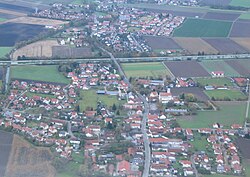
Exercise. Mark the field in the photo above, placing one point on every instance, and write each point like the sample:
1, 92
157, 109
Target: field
219, 65
214, 81
196, 91
2, 19
229, 113
225, 45
195, 45
203, 28
241, 66
10, 33
186, 69
17, 8
26, 160
240, 29
212, 2
11, 13
70, 52
226, 94
241, 3
47, 73
36, 50
164, 43
154, 69
245, 16
4, 51
221, 16
5, 147
244, 42
200, 142
90, 99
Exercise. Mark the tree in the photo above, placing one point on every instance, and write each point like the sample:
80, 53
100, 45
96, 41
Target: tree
114, 107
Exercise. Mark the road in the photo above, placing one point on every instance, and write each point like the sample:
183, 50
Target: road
7, 78
145, 117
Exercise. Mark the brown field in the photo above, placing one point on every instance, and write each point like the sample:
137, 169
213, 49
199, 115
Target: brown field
195, 45
244, 145
36, 21
239, 67
12, 12
245, 42
36, 50
28, 161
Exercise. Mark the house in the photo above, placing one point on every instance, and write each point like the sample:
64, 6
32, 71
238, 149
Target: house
165, 97
189, 134
217, 74
123, 168
186, 163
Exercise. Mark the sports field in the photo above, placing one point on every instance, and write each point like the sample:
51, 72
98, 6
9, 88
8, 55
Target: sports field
47, 73
203, 28
229, 113
214, 81
150, 69
226, 94
4, 51
241, 3
219, 65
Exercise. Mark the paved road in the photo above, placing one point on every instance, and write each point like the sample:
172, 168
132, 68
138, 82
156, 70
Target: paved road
144, 121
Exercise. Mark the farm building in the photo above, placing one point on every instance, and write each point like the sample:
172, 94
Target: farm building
217, 74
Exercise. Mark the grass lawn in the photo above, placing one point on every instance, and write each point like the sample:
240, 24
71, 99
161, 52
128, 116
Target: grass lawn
241, 3
215, 81
221, 94
229, 113
48, 73
200, 142
219, 65
90, 99
203, 28
245, 16
154, 69
4, 51
30, 94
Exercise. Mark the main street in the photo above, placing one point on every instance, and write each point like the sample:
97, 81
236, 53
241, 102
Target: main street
147, 150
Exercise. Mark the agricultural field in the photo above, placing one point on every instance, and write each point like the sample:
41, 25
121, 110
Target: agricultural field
245, 16
27, 160
226, 94
241, 3
48, 73
203, 28
229, 113
215, 81
93, 98
241, 66
186, 69
221, 16
240, 29
5, 148
159, 42
225, 45
36, 50
2, 19
70, 52
4, 51
244, 42
195, 45
196, 91
219, 65
143, 70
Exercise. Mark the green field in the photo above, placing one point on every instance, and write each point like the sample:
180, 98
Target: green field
4, 51
229, 113
215, 81
89, 99
219, 65
241, 3
226, 94
47, 73
2, 19
154, 69
203, 28
199, 143
245, 16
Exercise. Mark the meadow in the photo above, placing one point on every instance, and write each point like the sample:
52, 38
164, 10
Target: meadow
150, 69
240, 3
47, 73
215, 81
4, 51
203, 28
226, 94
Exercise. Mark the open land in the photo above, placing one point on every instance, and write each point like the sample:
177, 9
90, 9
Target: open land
244, 145
241, 66
245, 16
17, 8
240, 29
241, 3
225, 45
26, 160
229, 113
10, 33
195, 45
212, 2
47, 73
219, 65
70, 52
196, 91
36, 50
203, 28
157, 42
4, 51
226, 94
13, 13
221, 16
187, 69
150, 69
215, 81
5, 147
245, 42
